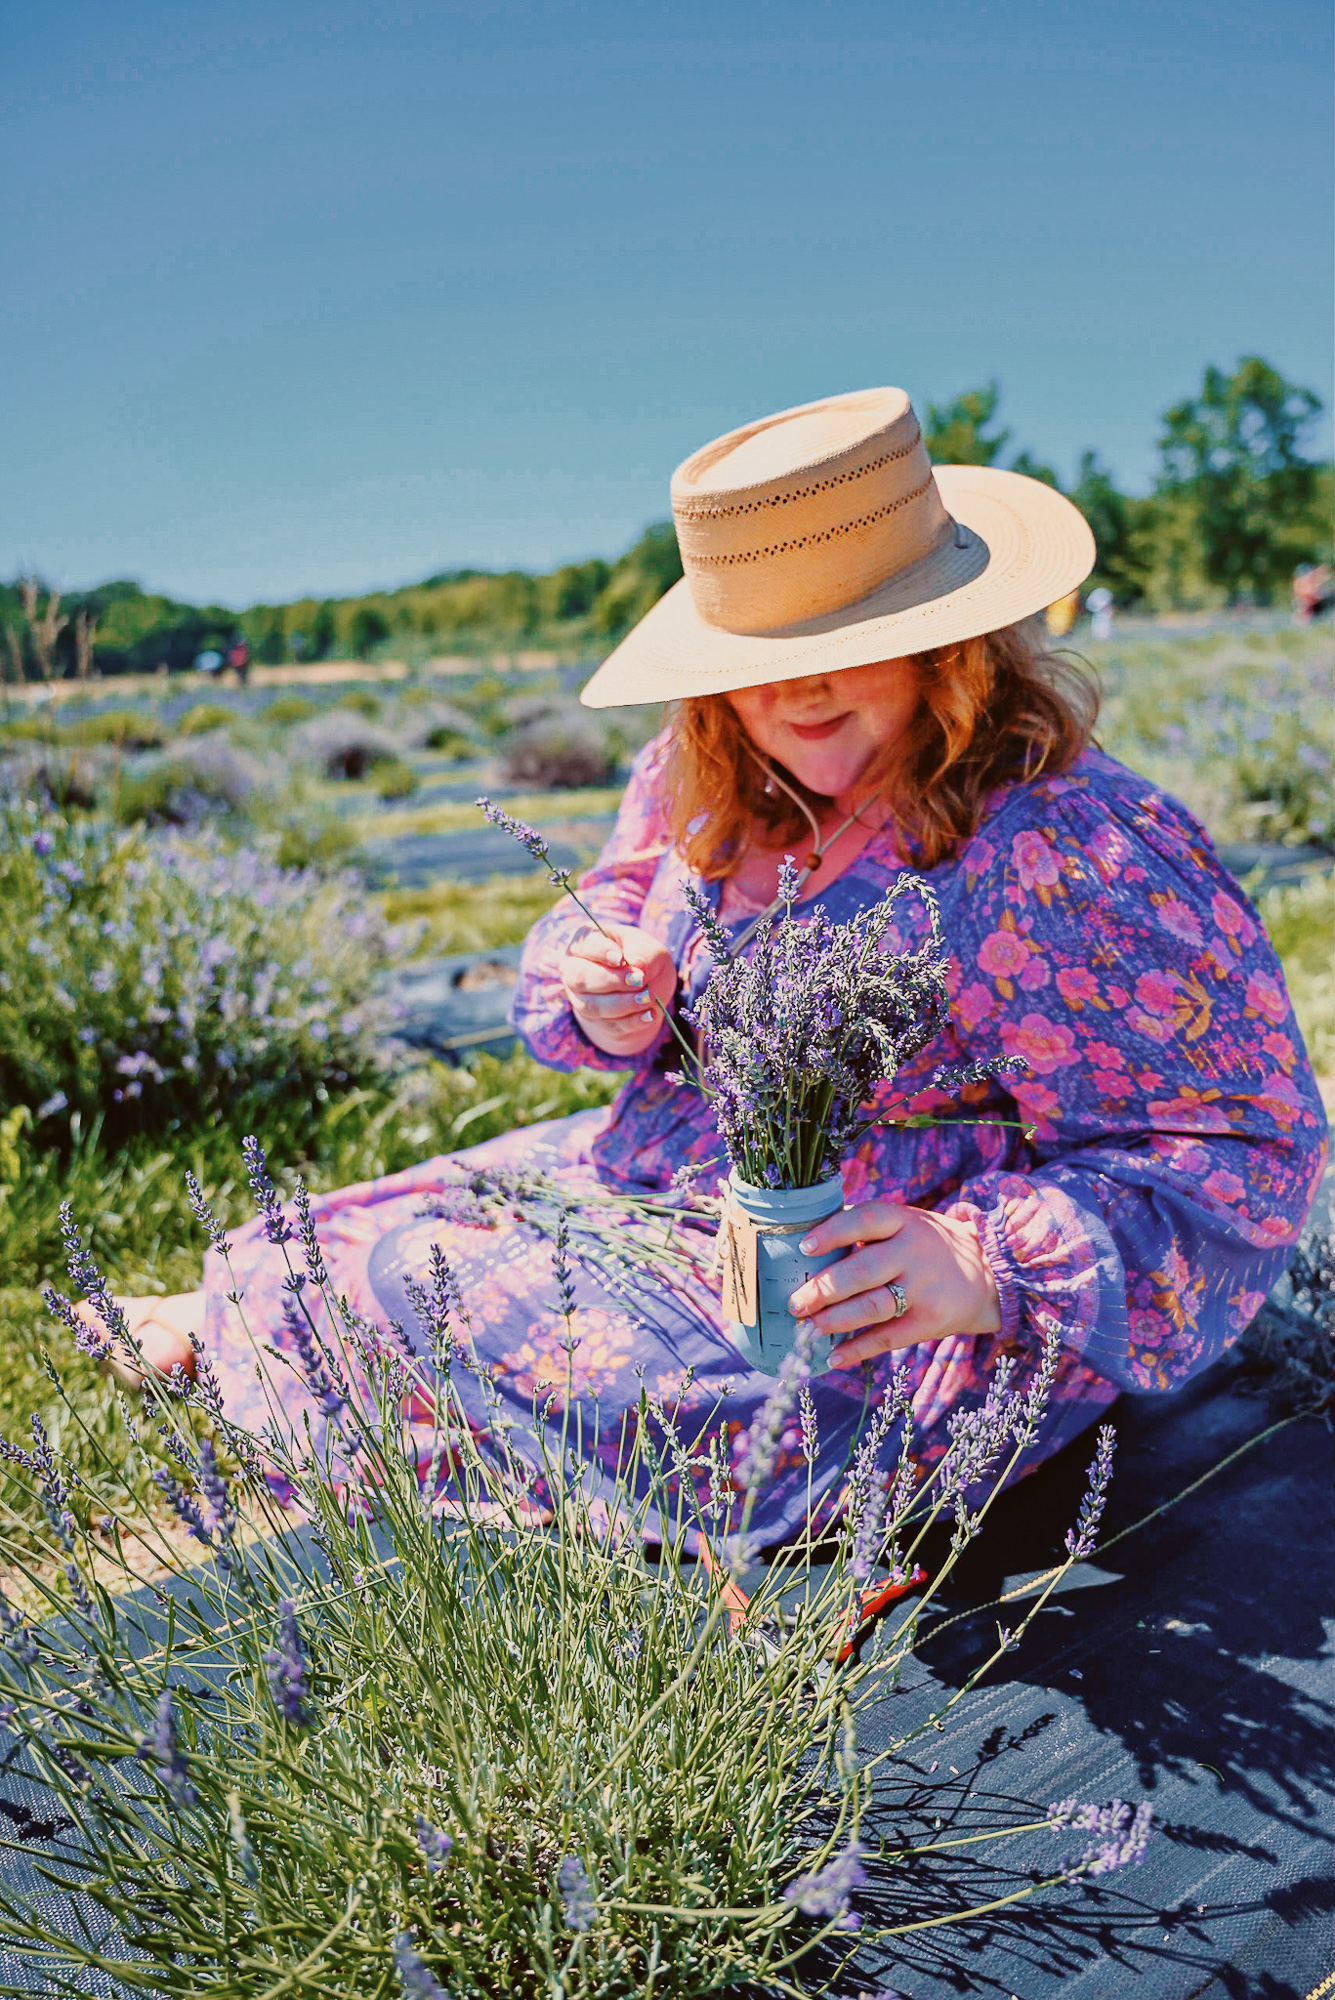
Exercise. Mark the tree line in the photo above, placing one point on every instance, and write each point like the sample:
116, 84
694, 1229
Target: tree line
1236, 506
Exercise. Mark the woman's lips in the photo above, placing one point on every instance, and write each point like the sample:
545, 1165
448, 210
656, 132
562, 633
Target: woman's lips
816, 732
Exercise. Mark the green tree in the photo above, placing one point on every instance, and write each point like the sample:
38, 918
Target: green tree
1034, 468
1233, 451
272, 649
369, 628
573, 588
955, 432
1114, 520
322, 633
643, 575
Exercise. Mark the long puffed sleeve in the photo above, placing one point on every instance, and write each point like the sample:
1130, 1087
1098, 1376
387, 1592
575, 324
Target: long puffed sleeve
1179, 1136
614, 889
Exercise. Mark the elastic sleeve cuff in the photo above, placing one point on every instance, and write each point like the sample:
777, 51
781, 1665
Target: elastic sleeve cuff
1054, 1262
1000, 1261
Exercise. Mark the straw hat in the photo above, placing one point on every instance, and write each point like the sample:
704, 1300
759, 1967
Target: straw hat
823, 538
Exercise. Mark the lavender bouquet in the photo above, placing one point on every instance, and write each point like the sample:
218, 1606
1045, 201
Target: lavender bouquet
797, 1039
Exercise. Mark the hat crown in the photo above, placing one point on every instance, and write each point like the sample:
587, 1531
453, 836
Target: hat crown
806, 512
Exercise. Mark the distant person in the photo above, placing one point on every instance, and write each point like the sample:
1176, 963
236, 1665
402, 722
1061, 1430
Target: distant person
855, 680
238, 658
1062, 615
1313, 591
1099, 604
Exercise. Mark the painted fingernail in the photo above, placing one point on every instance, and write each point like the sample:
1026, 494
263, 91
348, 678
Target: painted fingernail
635, 977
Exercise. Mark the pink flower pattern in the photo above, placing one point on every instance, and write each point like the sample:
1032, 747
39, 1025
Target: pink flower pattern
1139, 1189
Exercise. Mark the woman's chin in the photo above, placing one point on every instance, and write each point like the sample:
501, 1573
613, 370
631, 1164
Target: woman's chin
828, 777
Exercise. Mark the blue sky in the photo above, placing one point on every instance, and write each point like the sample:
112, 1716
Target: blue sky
319, 296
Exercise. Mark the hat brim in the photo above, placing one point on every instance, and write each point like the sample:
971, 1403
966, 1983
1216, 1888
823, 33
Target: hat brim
1019, 546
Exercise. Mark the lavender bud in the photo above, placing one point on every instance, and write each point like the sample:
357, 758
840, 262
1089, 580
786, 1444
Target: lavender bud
1080, 1540
416, 1979
827, 1891
286, 1667
435, 1845
160, 1748
578, 1902
267, 1201
203, 1213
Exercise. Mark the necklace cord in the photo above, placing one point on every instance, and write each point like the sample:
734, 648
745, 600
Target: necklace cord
820, 848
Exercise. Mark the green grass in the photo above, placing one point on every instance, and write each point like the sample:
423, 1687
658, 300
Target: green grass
547, 808
472, 916
1300, 921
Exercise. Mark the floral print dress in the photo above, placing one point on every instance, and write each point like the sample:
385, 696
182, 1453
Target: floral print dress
1157, 1160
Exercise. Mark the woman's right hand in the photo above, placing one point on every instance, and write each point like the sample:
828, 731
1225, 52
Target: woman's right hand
618, 985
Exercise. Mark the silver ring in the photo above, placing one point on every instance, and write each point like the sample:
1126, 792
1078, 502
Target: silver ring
900, 1298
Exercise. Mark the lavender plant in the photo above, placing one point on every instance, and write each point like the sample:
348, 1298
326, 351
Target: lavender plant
158, 980
411, 1742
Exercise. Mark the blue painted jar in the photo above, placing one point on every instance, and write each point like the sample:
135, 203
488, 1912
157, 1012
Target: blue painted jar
781, 1267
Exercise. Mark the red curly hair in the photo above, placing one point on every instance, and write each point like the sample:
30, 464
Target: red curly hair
990, 711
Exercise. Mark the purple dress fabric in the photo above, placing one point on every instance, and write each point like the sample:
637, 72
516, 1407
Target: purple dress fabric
1178, 1141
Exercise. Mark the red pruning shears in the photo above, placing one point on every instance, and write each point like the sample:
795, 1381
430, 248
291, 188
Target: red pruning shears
873, 1601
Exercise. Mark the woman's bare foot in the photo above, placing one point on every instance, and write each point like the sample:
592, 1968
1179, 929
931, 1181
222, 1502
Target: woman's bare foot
161, 1326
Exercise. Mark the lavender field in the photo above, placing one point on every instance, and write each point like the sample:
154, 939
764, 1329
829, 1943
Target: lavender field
213, 890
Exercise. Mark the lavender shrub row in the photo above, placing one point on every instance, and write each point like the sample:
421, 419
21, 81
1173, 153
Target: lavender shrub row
168, 979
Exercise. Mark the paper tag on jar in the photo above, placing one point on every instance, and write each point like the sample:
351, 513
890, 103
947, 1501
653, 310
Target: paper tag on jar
735, 1248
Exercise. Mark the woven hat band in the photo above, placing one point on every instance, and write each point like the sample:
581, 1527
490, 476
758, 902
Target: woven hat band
806, 513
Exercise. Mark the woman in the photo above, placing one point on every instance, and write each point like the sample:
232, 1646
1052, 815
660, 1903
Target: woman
855, 684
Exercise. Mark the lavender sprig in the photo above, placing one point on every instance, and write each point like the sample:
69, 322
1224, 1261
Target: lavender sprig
578, 1903
86, 1338
203, 1214
1121, 1836
1080, 1540
160, 1748
18, 1638
826, 1891
87, 1278
324, 1381
761, 1444
285, 1665
565, 1283
268, 1202
415, 1976
528, 837
807, 1413
182, 1505
434, 1844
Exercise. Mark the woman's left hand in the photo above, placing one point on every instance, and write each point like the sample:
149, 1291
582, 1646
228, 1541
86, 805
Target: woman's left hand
936, 1260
